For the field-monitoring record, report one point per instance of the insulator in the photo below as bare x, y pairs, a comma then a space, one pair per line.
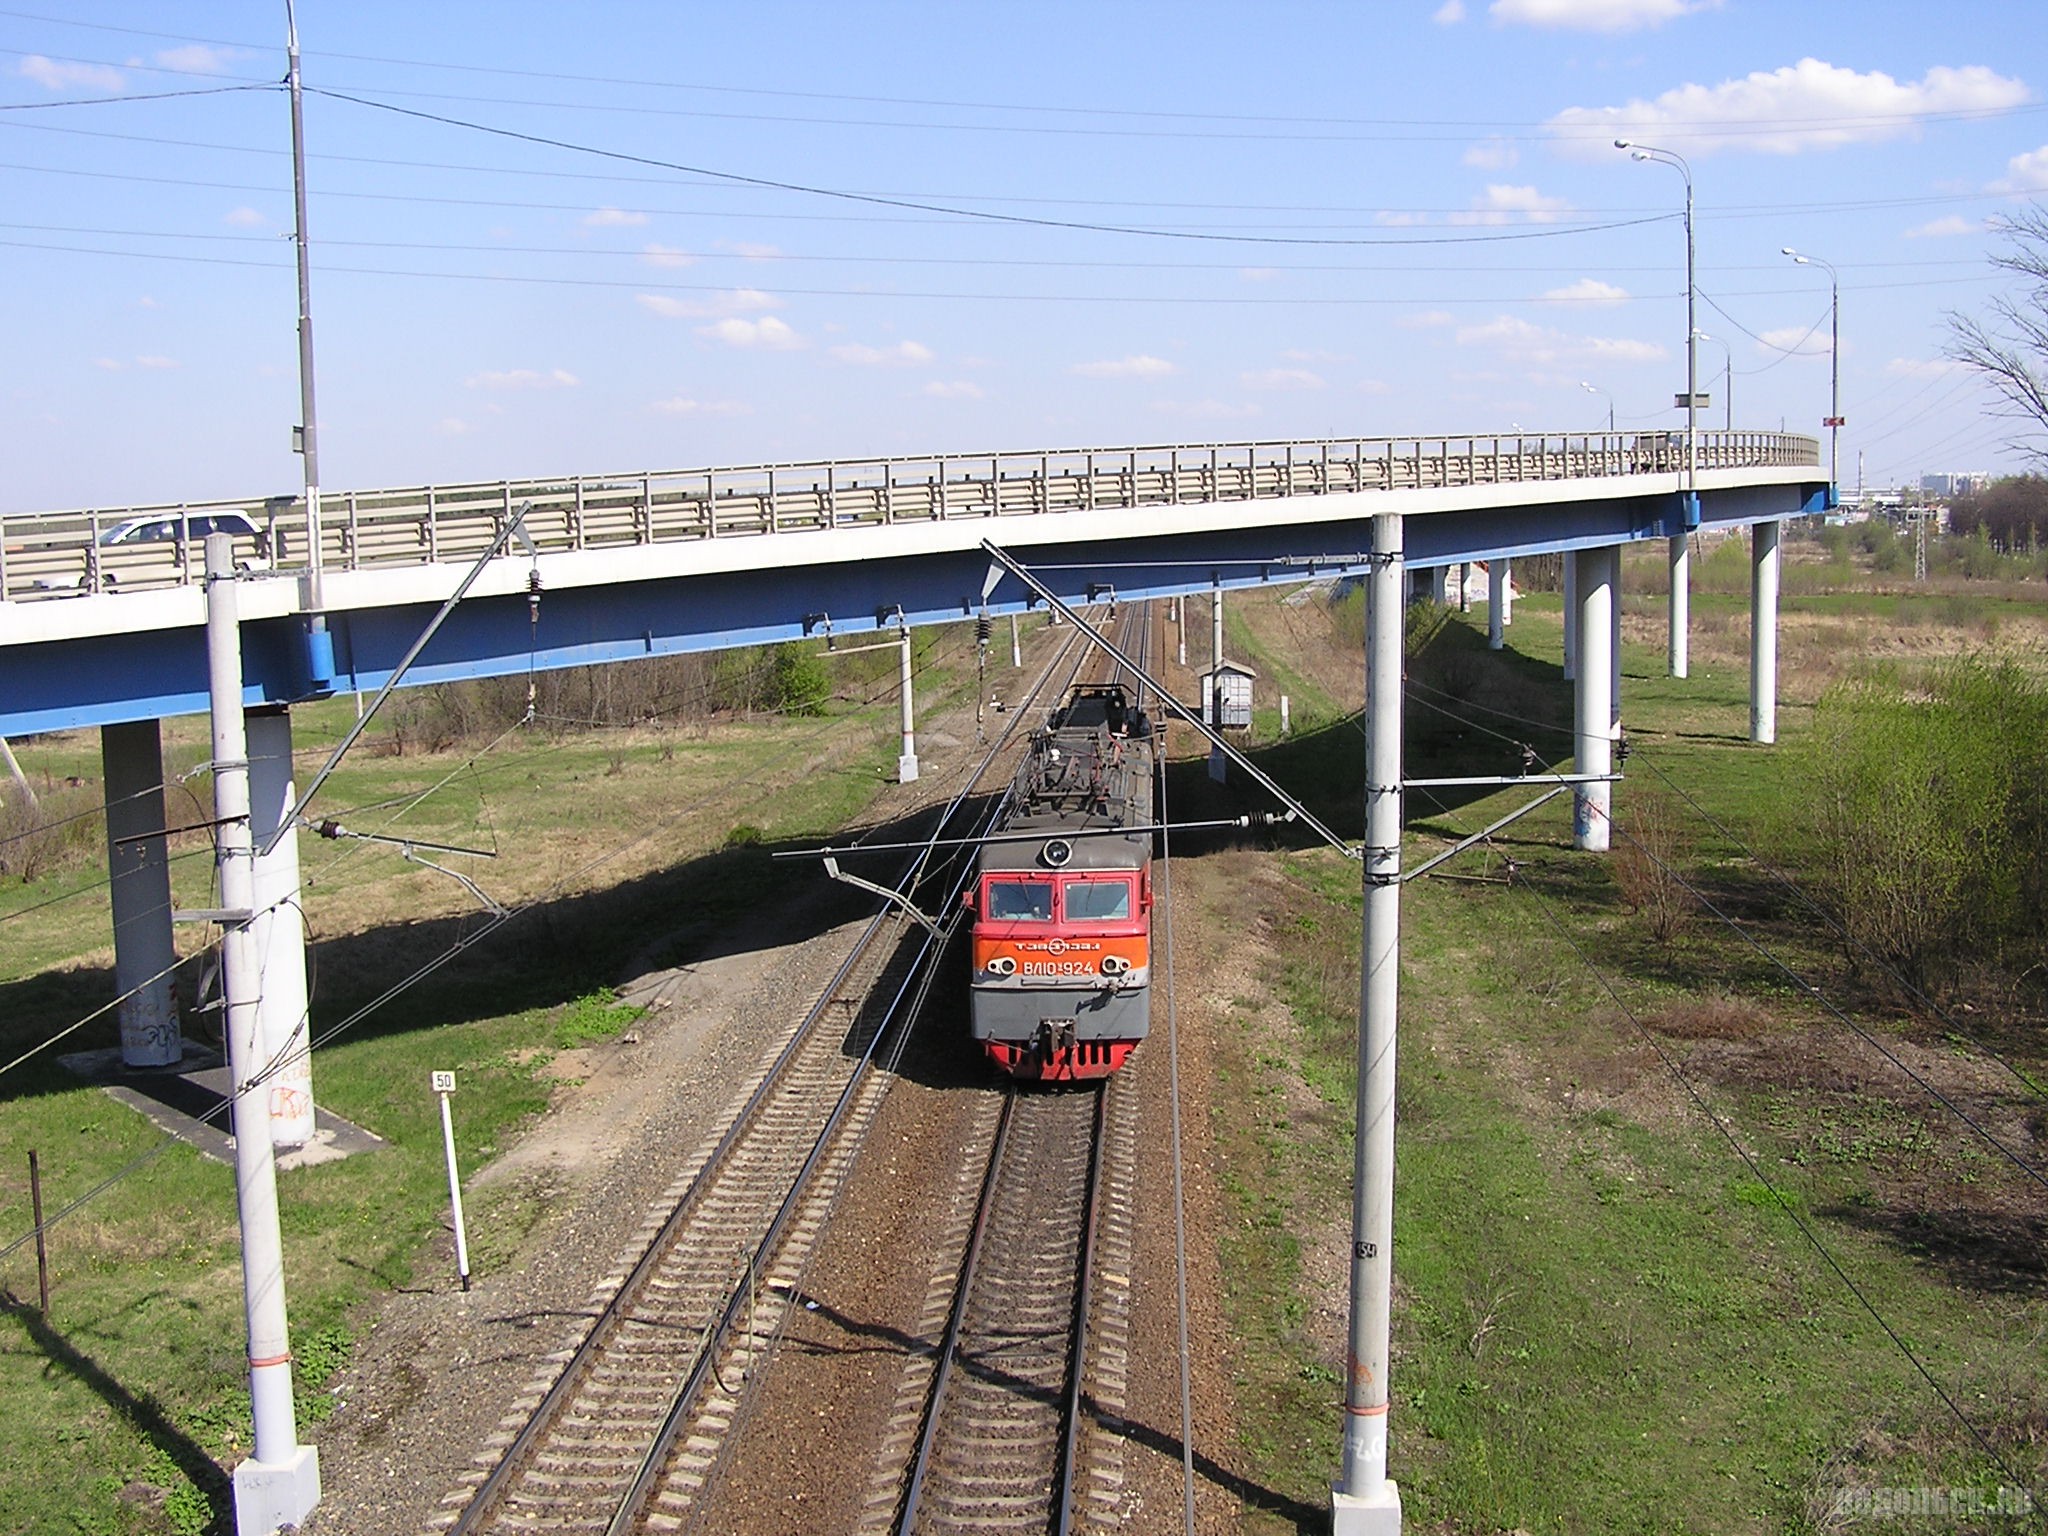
982, 629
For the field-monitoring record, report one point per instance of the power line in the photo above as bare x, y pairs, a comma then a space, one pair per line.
914, 205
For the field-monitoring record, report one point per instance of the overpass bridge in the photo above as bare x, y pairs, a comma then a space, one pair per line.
100, 631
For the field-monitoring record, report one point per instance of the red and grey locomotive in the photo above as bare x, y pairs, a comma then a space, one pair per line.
1063, 897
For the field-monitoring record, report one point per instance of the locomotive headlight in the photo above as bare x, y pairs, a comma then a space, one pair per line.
1114, 965
1003, 965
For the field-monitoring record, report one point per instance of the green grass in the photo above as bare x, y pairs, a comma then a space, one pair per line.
1605, 1319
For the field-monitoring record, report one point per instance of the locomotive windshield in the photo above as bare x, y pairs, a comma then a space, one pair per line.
1011, 901
1092, 901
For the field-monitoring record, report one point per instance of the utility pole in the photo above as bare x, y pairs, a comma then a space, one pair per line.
280, 1482
1365, 1502
309, 425
906, 762
1680, 546
1835, 420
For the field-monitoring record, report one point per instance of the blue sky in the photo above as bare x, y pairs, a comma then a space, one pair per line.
1074, 225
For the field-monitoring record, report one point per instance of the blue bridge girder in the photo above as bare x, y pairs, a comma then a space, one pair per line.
636, 566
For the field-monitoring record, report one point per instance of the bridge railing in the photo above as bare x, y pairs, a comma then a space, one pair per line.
68, 553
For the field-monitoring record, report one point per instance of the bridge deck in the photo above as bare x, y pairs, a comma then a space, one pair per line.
46, 556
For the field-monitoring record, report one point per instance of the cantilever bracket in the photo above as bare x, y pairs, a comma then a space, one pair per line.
894, 898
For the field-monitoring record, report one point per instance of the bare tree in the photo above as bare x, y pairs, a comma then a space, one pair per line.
2010, 347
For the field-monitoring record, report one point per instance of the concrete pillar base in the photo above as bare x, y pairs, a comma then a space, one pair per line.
906, 768
1378, 1515
272, 1495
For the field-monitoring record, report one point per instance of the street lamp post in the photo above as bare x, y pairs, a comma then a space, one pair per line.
1595, 389
1834, 421
1681, 574
1727, 380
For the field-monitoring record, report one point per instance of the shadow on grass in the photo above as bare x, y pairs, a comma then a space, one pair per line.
143, 1412
737, 899
1984, 1251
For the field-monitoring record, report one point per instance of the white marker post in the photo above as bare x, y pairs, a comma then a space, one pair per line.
444, 1085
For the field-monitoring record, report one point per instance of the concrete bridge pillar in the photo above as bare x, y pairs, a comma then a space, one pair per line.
1464, 586
1496, 602
282, 1020
1571, 626
132, 764
1763, 632
1596, 613
1681, 600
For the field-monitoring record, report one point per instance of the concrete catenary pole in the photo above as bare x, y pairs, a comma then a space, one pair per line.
280, 1483
906, 762
1496, 615
1365, 1502
1216, 623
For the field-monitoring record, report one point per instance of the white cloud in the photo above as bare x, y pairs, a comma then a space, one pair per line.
905, 354
453, 426
156, 360
1921, 368
1258, 274
54, 76
613, 218
1587, 290
198, 59
767, 334
1808, 105
1427, 320
244, 218
1393, 218
1281, 378
733, 301
148, 301
522, 378
1595, 15
954, 389
111, 364
1314, 355
1501, 204
1492, 155
1375, 387
658, 255
2025, 173
680, 406
750, 250
1137, 366
1525, 343
1449, 14
1954, 224
1207, 410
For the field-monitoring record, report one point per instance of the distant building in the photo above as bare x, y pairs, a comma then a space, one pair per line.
1964, 483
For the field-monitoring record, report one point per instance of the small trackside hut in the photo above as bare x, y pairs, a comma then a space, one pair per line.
1062, 898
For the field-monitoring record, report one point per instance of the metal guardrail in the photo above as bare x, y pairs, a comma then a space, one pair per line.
65, 554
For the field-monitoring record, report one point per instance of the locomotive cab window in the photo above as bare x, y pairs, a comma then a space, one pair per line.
1012, 901
1097, 901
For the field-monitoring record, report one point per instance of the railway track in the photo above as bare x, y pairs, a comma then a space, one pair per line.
631, 1428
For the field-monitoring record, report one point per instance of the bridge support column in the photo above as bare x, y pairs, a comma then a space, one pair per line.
1571, 623
1763, 632
1681, 599
1464, 586
1365, 1502
906, 762
1496, 609
280, 930
1596, 614
139, 871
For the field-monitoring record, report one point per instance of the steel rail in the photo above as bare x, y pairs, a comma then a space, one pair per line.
1084, 1291
491, 1492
